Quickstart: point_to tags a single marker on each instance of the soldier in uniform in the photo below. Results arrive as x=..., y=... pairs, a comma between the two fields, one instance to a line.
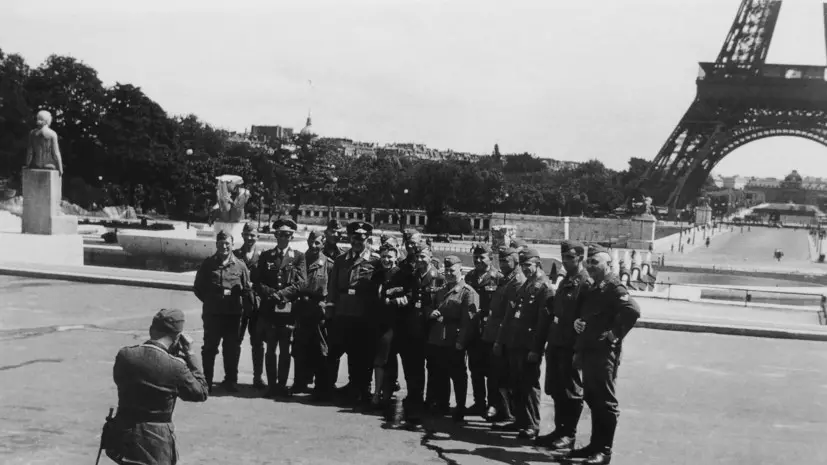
x=249, y=253
x=331, y=240
x=484, y=280
x=410, y=237
x=281, y=274
x=499, y=398
x=150, y=377
x=453, y=325
x=310, y=344
x=223, y=285
x=607, y=314
x=351, y=292
x=517, y=334
x=393, y=294
x=563, y=381
x=410, y=330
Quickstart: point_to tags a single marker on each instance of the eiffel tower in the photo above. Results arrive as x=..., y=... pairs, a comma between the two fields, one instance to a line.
x=740, y=98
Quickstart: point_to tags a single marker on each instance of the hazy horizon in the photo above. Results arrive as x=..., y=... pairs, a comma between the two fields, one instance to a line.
x=569, y=81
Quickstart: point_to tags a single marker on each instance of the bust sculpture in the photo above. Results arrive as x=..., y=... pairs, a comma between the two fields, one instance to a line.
x=43, y=151
x=232, y=198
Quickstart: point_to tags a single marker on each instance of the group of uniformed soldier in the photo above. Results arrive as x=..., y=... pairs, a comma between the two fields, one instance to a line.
x=328, y=302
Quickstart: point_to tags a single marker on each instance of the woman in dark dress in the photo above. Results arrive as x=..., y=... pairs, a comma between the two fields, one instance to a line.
x=392, y=295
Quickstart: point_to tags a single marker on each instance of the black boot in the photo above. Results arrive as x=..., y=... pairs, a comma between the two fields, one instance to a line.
x=258, y=367
x=209, y=368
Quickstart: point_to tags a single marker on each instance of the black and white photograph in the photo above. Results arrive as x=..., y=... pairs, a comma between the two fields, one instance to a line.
x=404, y=232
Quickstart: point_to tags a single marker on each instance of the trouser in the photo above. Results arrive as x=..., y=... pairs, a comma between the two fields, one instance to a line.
x=498, y=382
x=249, y=324
x=309, y=347
x=277, y=335
x=564, y=385
x=410, y=345
x=479, y=358
x=221, y=329
x=352, y=336
x=446, y=365
x=599, y=380
x=525, y=385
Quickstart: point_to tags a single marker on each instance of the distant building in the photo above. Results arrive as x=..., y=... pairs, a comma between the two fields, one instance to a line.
x=791, y=189
x=789, y=213
x=734, y=182
x=271, y=132
x=557, y=165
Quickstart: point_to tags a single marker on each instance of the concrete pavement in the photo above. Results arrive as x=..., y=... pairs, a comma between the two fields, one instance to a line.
x=685, y=398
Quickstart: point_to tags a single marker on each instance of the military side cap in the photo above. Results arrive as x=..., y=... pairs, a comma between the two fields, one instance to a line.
x=528, y=254
x=480, y=249
x=359, y=227
x=384, y=237
x=596, y=249
x=249, y=229
x=507, y=252
x=518, y=243
x=168, y=320
x=333, y=225
x=223, y=236
x=285, y=224
x=418, y=247
x=452, y=260
x=390, y=245
x=573, y=246
x=313, y=235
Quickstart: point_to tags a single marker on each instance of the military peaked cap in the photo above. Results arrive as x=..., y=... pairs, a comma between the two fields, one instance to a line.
x=285, y=224
x=359, y=227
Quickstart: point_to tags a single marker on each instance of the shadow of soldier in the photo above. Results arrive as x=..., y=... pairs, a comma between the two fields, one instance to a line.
x=446, y=439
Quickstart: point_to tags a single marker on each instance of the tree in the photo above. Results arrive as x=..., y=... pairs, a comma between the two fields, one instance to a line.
x=496, y=152
x=15, y=114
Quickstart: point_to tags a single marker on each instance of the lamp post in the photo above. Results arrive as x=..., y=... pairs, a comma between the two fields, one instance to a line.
x=260, y=202
x=505, y=210
x=402, y=219
x=333, y=181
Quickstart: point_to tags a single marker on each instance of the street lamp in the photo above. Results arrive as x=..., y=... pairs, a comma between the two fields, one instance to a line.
x=260, y=202
x=505, y=210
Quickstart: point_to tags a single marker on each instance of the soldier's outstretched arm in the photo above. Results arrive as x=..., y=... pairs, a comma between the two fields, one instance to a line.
x=192, y=385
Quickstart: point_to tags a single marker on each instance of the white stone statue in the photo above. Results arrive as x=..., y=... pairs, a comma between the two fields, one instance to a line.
x=231, y=199
x=43, y=151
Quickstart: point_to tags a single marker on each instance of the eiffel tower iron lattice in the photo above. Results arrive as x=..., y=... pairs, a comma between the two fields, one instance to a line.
x=740, y=98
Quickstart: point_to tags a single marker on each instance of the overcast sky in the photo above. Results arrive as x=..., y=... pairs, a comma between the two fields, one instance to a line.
x=573, y=80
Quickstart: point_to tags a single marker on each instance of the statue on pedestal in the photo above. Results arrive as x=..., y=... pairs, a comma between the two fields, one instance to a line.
x=231, y=198
x=43, y=152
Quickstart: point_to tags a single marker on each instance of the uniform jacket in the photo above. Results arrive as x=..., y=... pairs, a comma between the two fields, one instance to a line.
x=484, y=284
x=252, y=266
x=315, y=287
x=606, y=307
x=391, y=285
x=351, y=289
x=413, y=318
x=520, y=324
x=149, y=380
x=500, y=303
x=223, y=288
x=458, y=304
x=279, y=278
x=557, y=323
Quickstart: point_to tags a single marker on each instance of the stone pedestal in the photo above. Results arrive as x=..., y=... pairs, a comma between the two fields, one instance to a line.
x=643, y=233
x=41, y=205
x=42, y=249
x=703, y=215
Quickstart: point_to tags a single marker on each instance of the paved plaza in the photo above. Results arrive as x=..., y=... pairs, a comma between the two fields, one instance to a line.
x=686, y=398
x=751, y=250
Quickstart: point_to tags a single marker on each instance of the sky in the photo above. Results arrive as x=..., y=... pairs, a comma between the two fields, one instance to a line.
x=571, y=80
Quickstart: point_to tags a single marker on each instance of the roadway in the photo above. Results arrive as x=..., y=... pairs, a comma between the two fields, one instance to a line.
x=686, y=398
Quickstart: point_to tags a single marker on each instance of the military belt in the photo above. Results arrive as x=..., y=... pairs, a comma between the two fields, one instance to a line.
x=135, y=416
